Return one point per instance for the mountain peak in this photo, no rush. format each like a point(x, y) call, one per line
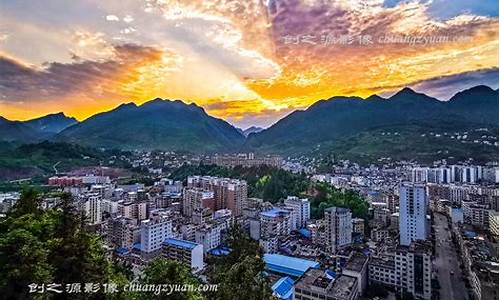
point(156, 124)
point(479, 93)
point(51, 123)
point(477, 89)
point(406, 91)
point(408, 94)
point(251, 129)
point(375, 98)
point(126, 105)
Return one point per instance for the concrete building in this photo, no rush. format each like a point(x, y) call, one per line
point(154, 231)
point(91, 205)
point(493, 223)
point(246, 160)
point(317, 284)
point(408, 269)
point(480, 259)
point(357, 266)
point(300, 211)
point(358, 226)
point(392, 202)
point(269, 245)
point(228, 193)
point(197, 199)
point(209, 236)
point(133, 209)
point(124, 232)
point(414, 265)
point(202, 216)
point(382, 270)
point(186, 252)
point(476, 214)
point(412, 213)
point(338, 227)
point(274, 222)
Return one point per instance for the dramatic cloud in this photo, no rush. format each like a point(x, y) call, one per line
point(443, 87)
point(245, 61)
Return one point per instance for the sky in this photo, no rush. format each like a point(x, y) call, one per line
point(249, 62)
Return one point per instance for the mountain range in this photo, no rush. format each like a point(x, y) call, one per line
point(34, 130)
point(252, 129)
point(339, 125)
point(330, 120)
point(157, 124)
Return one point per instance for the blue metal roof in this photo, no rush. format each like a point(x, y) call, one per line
point(330, 274)
point(288, 265)
point(121, 250)
point(470, 233)
point(137, 246)
point(283, 288)
point(274, 212)
point(219, 251)
point(305, 232)
point(180, 243)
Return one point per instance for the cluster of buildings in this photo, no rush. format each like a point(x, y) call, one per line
point(336, 255)
point(64, 181)
point(480, 260)
point(455, 174)
point(245, 160)
point(7, 200)
point(403, 199)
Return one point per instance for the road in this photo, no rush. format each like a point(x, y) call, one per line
point(446, 260)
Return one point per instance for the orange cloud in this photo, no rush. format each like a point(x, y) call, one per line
point(242, 60)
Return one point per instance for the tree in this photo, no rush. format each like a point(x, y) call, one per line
point(23, 257)
point(162, 271)
point(76, 253)
point(49, 246)
point(241, 270)
point(28, 203)
point(327, 196)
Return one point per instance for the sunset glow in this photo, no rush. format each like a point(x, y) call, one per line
point(249, 62)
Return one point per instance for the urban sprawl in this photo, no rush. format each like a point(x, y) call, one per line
point(431, 232)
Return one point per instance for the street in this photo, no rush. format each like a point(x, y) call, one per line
point(446, 260)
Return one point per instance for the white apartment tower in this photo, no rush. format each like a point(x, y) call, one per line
point(300, 211)
point(154, 231)
point(339, 227)
point(91, 205)
point(412, 213)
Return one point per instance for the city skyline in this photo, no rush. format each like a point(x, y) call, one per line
point(249, 64)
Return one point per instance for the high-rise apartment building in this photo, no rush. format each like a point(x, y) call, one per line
point(195, 199)
point(300, 211)
point(339, 227)
point(412, 213)
point(154, 231)
point(228, 193)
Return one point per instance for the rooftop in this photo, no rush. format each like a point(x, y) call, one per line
point(356, 262)
point(274, 212)
point(288, 265)
point(305, 232)
point(343, 286)
point(338, 209)
point(180, 243)
point(385, 261)
point(283, 287)
point(314, 277)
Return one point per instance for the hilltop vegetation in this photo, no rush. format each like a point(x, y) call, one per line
point(274, 185)
point(350, 127)
point(39, 159)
